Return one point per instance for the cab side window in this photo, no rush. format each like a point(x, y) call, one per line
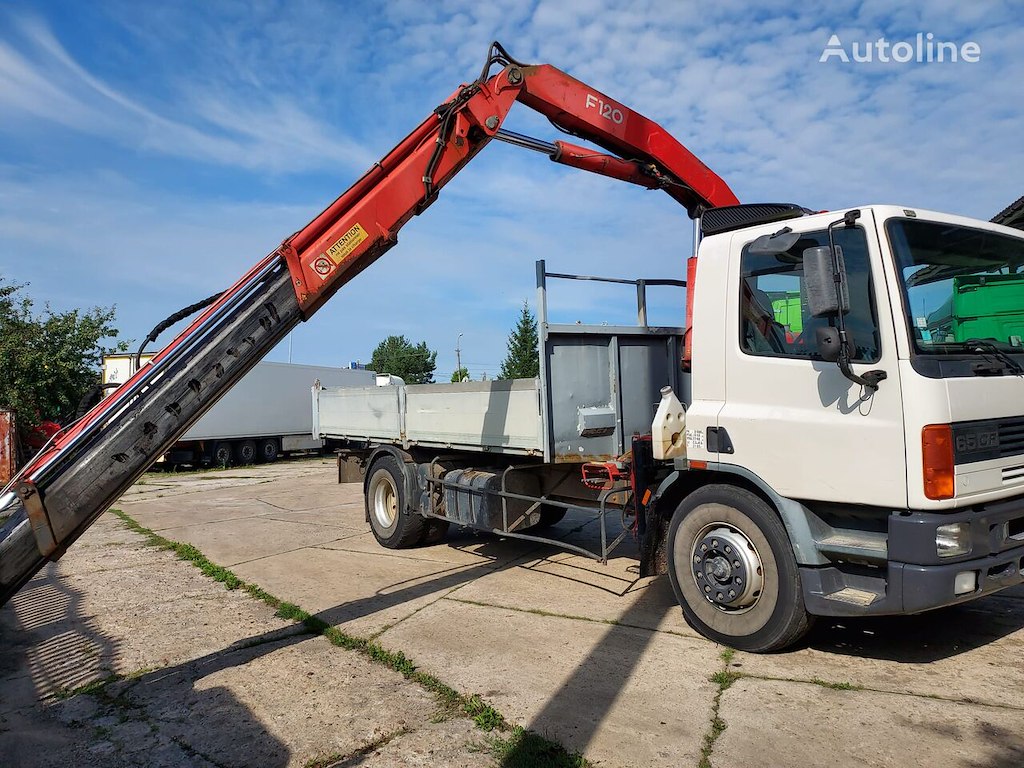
point(774, 317)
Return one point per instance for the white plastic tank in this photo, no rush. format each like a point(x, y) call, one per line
point(668, 430)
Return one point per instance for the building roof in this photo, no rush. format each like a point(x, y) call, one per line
point(1012, 215)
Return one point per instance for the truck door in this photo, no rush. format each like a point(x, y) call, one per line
point(791, 418)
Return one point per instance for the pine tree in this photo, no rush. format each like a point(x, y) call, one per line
point(414, 363)
point(523, 359)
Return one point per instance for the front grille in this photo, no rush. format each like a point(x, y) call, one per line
point(1011, 436)
point(1013, 475)
point(987, 439)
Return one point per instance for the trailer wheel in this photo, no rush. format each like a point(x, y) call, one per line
point(549, 516)
point(268, 450)
point(392, 526)
point(733, 571)
point(223, 456)
point(246, 452)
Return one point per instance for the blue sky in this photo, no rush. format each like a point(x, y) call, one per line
point(150, 153)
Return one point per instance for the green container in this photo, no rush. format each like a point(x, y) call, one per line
point(981, 307)
point(788, 311)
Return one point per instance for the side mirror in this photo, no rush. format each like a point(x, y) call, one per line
point(829, 344)
point(820, 282)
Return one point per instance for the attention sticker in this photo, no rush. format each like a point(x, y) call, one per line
point(347, 243)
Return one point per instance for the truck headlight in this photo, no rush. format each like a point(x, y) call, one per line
point(953, 539)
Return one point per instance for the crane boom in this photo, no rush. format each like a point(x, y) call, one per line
point(69, 484)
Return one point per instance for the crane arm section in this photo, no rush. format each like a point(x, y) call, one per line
point(70, 483)
point(363, 222)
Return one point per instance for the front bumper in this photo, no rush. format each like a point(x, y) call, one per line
point(915, 578)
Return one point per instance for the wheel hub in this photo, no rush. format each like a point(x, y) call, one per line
point(727, 568)
point(385, 503)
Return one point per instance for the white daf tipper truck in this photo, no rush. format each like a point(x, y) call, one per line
point(854, 436)
point(852, 442)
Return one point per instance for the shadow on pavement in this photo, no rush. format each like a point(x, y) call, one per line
point(51, 646)
point(931, 636)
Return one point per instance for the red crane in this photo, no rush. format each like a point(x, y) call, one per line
point(87, 467)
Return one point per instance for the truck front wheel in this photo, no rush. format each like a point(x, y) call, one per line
point(733, 571)
point(392, 526)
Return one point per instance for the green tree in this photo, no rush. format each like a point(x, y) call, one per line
point(462, 374)
point(51, 359)
point(400, 357)
point(523, 359)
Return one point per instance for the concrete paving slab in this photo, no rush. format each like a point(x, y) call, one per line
point(230, 683)
point(471, 612)
point(59, 627)
point(361, 593)
point(176, 512)
point(279, 704)
point(558, 588)
point(970, 652)
point(230, 543)
point(305, 496)
point(623, 696)
point(461, 548)
point(449, 744)
point(776, 723)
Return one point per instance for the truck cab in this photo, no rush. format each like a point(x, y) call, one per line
point(894, 498)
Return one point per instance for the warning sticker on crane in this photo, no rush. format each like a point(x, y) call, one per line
point(347, 243)
point(323, 266)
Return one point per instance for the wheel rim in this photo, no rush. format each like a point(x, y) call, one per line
point(726, 568)
point(385, 501)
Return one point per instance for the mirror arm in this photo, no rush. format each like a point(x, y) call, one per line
point(870, 379)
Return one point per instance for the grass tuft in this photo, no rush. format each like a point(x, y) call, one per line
point(841, 686)
point(725, 678)
point(486, 717)
point(94, 686)
point(526, 749)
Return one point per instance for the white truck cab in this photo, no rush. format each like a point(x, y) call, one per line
point(896, 497)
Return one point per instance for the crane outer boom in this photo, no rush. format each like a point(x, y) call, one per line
point(69, 484)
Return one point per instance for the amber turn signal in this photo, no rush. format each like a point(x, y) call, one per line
point(937, 461)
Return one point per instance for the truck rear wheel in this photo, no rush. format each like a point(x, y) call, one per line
point(268, 450)
point(392, 525)
point(223, 456)
point(733, 571)
point(246, 452)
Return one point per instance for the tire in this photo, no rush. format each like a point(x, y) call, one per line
point(267, 451)
point(245, 452)
point(434, 531)
point(718, 524)
point(392, 525)
point(223, 456)
point(549, 516)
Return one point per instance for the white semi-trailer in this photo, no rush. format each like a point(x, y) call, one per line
point(264, 416)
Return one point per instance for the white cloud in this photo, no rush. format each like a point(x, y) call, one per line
point(39, 79)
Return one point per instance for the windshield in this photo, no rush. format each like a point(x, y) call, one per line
point(961, 285)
